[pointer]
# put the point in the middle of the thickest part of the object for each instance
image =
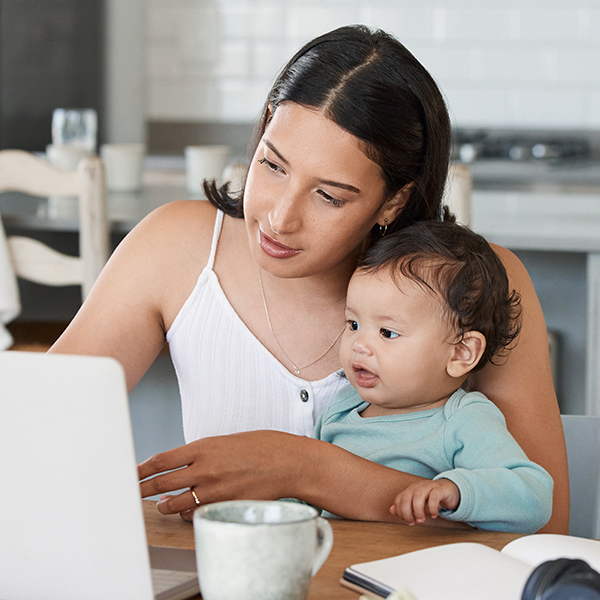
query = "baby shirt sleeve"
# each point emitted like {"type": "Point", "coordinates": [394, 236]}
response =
{"type": "Point", "coordinates": [500, 488]}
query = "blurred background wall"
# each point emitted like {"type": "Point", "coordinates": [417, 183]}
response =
{"type": "Point", "coordinates": [510, 64]}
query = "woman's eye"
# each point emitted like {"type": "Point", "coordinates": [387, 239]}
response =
{"type": "Point", "coordinates": [353, 325]}
{"type": "Point", "coordinates": [270, 165]}
{"type": "Point", "coordinates": [388, 333]}
{"type": "Point", "coordinates": [337, 203]}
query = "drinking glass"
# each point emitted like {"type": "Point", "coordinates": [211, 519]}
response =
{"type": "Point", "coordinates": [75, 127]}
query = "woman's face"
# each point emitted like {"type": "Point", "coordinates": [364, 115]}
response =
{"type": "Point", "coordinates": [312, 195]}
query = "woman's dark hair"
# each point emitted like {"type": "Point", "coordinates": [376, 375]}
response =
{"type": "Point", "coordinates": [461, 267]}
{"type": "Point", "coordinates": [369, 84]}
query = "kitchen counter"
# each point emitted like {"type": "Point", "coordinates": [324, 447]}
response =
{"type": "Point", "coordinates": [547, 220]}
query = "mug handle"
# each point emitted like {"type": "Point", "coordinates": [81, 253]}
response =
{"type": "Point", "coordinates": [324, 544]}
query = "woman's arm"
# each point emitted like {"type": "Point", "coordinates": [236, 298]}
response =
{"type": "Point", "coordinates": [523, 390]}
{"type": "Point", "coordinates": [271, 465]}
{"type": "Point", "coordinates": [142, 287]}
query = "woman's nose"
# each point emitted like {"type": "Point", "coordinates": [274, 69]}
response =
{"type": "Point", "coordinates": [285, 214]}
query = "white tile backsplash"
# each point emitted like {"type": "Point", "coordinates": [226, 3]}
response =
{"type": "Point", "coordinates": [594, 120]}
{"type": "Point", "coordinates": [509, 65]}
{"type": "Point", "coordinates": [307, 20]}
{"type": "Point", "coordinates": [406, 24]}
{"type": "Point", "coordinates": [269, 58]}
{"type": "Point", "coordinates": [478, 24]}
{"type": "Point", "coordinates": [578, 65]}
{"type": "Point", "coordinates": [554, 25]}
{"type": "Point", "coordinates": [551, 107]}
{"type": "Point", "coordinates": [241, 101]}
{"type": "Point", "coordinates": [515, 63]}
{"type": "Point", "coordinates": [471, 106]}
{"type": "Point", "coordinates": [182, 101]}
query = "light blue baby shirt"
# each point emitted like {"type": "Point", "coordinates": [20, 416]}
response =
{"type": "Point", "coordinates": [466, 441]}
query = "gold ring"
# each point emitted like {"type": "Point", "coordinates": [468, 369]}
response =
{"type": "Point", "coordinates": [195, 497]}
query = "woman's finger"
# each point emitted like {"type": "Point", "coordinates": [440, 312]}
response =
{"type": "Point", "coordinates": [166, 483]}
{"type": "Point", "coordinates": [179, 503]}
{"type": "Point", "coordinates": [166, 461]}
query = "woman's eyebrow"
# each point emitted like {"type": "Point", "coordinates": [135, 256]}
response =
{"type": "Point", "coordinates": [269, 145]}
{"type": "Point", "coordinates": [343, 186]}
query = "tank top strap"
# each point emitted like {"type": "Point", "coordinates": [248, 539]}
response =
{"type": "Point", "coordinates": [215, 239]}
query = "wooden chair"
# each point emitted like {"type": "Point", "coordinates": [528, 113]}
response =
{"type": "Point", "coordinates": [23, 172]}
{"type": "Point", "coordinates": [457, 196]}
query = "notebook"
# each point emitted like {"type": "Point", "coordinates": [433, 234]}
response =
{"type": "Point", "coordinates": [466, 570]}
{"type": "Point", "coordinates": [71, 520]}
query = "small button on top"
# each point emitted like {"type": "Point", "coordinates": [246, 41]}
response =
{"type": "Point", "coordinates": [304, 395]}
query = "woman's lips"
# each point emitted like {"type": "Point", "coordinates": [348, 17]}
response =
{"type": "Point", "coordinates": [364, 378]}
{"type": "Point", "coordinates": [274, 249]}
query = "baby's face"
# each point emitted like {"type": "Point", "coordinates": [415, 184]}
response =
{"type": "Point", "coordinates": [397, 343]}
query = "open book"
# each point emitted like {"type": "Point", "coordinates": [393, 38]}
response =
{"type": "Point", "coordinates": [468, 571]}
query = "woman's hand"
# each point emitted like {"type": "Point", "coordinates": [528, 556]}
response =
{"type": "Point", "coordinates": [249, 465]}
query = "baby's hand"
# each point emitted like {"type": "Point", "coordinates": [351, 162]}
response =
{"type": "Point", "coordinates": [425, 498]}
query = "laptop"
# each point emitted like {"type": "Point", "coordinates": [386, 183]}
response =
{"type": "Point", "coordinates": [71, 520]}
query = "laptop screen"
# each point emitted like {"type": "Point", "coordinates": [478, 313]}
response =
{"type": "Point", "coordinates": [71, 522]}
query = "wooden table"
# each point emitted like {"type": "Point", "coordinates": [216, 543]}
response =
{"type": "Point", "coordinates": [354, 542]}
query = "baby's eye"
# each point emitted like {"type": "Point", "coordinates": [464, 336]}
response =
{"type": "Point", "coordinates": [353, 325]}
{"type": "Point", "coordinates": [387, 333]}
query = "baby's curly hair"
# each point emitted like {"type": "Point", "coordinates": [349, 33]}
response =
{"type": "Point", "coordinates": [460, 266]}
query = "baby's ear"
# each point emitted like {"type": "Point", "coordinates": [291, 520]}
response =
{"type": "Point", "coordinates": [465, 354]}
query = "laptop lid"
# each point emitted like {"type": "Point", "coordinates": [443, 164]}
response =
{"type": "Point", "coordinates": [71, 521]}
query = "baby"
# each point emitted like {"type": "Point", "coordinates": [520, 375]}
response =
{"type": "Point", "coordinates": [425, 307]}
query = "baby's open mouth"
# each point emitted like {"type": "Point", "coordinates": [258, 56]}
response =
{"type": "Point", "coordinates": [364, 378]}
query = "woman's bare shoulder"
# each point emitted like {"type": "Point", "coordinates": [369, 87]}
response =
{"type": "Point", "coordinates": [143, 286]}
{"type": "Point", "coordinates": [516, 271]}
{"type": "Point", "coordinates": [183, 222]}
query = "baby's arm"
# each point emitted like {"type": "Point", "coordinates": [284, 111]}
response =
{"type": "Point", "coordinates": [500, 488]}
{"type": "Point", "coordinates": [425, 498]}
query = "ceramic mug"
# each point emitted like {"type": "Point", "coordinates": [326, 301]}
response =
{"type": "Point", "coordinates": [259, 550]}
{"type": "Point", "coordinates": [204, 162]}
{"type": "Point", "coordinates": [124, 164]}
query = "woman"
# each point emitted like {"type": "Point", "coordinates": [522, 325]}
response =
{"type": "Point", "coordinates": [353, 141]}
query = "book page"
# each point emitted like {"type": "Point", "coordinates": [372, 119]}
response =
{"type": "Point", "coordinates": [462, 571]}
{"type": "Point", "coordinates": [536, 549]}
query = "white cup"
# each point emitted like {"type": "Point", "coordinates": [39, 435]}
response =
{"type": "Point", "coordinates": [124, 164]}
{"type": "Point", "coordinates": [235, 174]}
{"type": "Point", "coordinates": [204, 162]}
{"type": "Point", "coordinates": [259, 550]}
{"type": "Point", "coordinates": [66, 157]}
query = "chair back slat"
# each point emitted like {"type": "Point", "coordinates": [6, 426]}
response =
{"type": "Point", "coordinates": [23, 172]}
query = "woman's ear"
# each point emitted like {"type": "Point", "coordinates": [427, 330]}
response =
{"type": "Point", "coordinates": [466, 354]}
{"type": "Point", "coordinates": [391, 209]}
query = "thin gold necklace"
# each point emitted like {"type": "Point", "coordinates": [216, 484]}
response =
{"type": "Point", "coordinates": [296, 369]}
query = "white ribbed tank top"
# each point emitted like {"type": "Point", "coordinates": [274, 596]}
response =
{"type": "Point", "coordinates": [228, 381]}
